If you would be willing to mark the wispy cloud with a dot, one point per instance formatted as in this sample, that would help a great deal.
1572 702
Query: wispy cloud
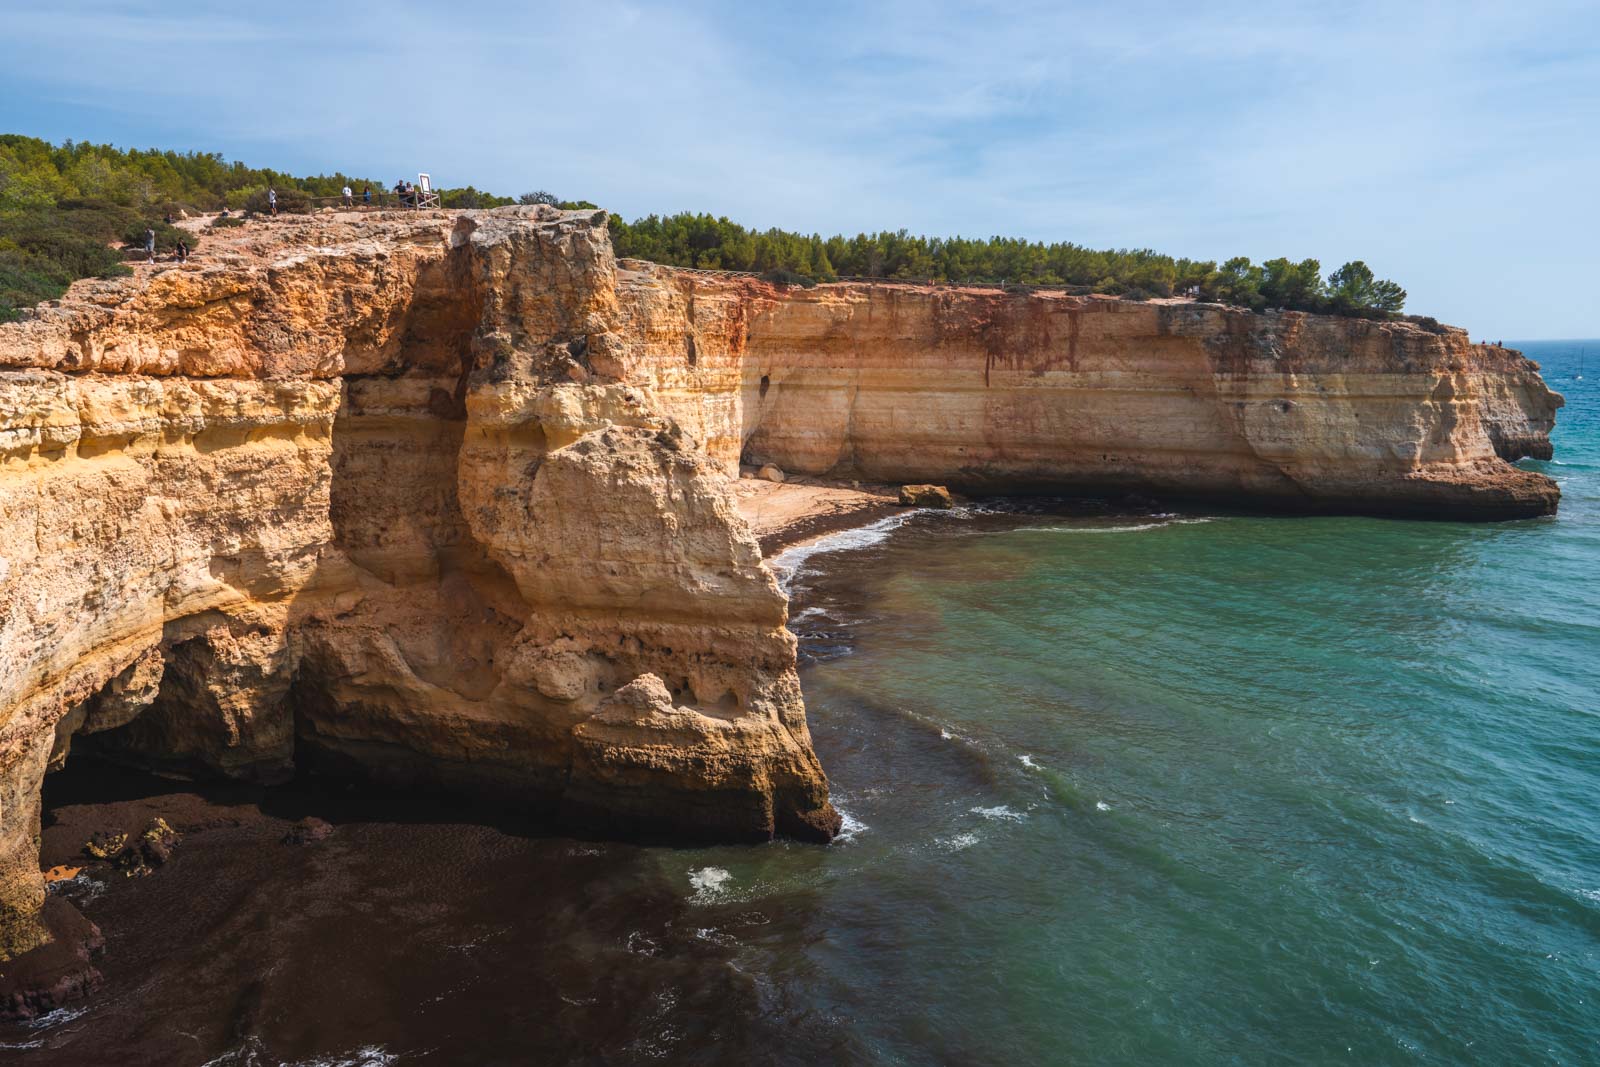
1452 145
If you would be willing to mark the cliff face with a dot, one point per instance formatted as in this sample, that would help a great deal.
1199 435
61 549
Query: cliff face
988 390
363 498
443 498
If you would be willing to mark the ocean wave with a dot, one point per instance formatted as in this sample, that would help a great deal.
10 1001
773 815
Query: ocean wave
365 1056
710 884
1027 761
959 842
55 1018
80 889
850 826
1129 528
790 563
998 813
1101 805
641 944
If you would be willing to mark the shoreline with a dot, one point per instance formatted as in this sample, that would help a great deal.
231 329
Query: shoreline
793 512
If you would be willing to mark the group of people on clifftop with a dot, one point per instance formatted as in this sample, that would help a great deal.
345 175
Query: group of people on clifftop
180 248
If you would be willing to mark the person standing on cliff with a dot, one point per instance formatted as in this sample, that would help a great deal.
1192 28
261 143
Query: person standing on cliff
349 197
272 199
366 196
150 244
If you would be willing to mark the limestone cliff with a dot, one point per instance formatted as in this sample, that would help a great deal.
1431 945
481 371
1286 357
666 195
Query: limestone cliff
443 498
362 496
989 390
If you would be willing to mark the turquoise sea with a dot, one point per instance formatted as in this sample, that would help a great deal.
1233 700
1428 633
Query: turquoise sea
1122 788
1198 788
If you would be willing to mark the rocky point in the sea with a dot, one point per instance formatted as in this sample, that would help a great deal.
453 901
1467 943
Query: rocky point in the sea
444 498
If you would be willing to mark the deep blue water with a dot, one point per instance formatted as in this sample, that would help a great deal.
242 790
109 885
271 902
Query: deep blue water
1202 788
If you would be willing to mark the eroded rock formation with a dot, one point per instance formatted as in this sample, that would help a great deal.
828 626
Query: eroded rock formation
365 498
443 499
986 390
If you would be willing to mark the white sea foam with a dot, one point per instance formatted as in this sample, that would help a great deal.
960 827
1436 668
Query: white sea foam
1101 805
959 842
1130 528
80 887
55 1018
1027 761
998 813
945 735
1092 529
365 1056
709 883
850 826
790 563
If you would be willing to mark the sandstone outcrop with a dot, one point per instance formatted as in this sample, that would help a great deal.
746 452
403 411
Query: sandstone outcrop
376 499
987 390
926 496
444 499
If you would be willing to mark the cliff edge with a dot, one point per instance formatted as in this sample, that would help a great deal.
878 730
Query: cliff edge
987 390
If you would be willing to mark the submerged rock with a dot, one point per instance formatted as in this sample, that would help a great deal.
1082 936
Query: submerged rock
156 843
56 972
307 831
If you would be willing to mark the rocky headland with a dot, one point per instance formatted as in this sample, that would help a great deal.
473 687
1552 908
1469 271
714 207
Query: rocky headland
452 499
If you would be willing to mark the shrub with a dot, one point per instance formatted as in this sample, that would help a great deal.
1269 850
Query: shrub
167 237
290 202
1136 294
225 223
1428 322
779 276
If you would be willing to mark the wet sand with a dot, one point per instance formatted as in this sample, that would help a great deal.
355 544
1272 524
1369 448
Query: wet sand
784 514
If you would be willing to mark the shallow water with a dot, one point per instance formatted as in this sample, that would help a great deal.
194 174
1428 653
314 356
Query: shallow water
1120 788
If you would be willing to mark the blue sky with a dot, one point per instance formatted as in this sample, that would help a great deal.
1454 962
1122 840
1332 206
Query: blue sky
1453 146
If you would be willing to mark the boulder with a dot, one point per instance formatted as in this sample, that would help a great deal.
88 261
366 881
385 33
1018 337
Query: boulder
771 473
926 496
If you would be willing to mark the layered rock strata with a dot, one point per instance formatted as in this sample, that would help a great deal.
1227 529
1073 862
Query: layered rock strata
986 390
371 499
444 499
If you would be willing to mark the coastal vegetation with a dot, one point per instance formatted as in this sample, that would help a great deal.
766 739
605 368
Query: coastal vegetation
708 242
67 211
